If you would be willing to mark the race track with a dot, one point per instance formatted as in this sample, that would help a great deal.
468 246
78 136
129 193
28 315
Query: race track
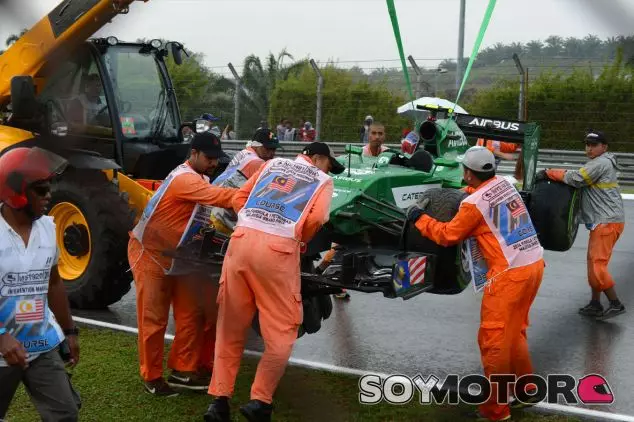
437 335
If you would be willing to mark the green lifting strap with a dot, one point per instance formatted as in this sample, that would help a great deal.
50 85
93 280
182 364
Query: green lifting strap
397 34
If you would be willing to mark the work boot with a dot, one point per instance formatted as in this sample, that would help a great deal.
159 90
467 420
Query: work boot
515 404
594 309
160 388
188 380
257 411
218 411
615 308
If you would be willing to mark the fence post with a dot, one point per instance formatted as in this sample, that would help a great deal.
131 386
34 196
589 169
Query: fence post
521 113
320 85
236 101
419 77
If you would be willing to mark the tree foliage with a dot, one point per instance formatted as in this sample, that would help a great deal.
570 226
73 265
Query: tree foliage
345 104
566 105
11 39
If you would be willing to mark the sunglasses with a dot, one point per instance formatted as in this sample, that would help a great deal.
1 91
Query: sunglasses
41 190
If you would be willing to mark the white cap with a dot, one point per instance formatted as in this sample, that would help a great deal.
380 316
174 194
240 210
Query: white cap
479 159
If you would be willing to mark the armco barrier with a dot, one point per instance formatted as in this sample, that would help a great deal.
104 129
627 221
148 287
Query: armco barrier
548 158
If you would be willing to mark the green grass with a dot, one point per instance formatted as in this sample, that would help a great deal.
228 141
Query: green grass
108 381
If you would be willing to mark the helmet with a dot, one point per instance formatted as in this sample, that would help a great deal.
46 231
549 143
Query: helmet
21 167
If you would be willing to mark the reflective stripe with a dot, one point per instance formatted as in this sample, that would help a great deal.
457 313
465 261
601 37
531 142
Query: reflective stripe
585 176
612 185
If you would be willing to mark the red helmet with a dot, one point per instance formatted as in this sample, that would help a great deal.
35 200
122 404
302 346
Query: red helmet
20 167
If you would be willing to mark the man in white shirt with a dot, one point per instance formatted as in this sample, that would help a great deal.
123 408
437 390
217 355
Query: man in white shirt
32 294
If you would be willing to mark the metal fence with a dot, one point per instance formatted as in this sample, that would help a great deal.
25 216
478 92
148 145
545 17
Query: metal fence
548 158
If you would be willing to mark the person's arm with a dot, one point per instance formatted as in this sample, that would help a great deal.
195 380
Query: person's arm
319 213
58 302
241 196
587 175
452 232
189 187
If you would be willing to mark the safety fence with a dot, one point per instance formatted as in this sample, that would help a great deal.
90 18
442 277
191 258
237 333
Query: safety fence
548 158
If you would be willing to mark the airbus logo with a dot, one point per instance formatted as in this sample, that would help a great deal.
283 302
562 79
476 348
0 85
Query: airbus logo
498 124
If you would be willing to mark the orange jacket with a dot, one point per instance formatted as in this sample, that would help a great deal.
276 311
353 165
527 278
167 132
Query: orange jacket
310 222
468 222
506 147
170 218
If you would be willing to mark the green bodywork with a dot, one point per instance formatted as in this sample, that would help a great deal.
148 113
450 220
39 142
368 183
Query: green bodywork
401 186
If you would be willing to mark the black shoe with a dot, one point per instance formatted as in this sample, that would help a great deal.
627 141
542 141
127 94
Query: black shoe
188 380
160 388
612 311
257 411
593 309
218 411
515 404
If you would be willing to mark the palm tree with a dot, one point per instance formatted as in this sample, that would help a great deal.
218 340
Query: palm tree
534 48
13 38
259 81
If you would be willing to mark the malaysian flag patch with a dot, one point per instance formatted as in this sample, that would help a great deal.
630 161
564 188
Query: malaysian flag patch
29 310
284 184
409 273
516 207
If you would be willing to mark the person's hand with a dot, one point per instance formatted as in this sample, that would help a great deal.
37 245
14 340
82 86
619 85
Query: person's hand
415 211
13 351
73 344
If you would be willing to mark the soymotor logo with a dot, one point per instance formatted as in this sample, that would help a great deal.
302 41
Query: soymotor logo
476 389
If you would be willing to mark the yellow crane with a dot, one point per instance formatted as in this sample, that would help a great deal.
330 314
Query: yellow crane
110 109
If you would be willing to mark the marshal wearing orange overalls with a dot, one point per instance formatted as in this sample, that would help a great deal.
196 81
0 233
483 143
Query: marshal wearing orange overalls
495 215
280 208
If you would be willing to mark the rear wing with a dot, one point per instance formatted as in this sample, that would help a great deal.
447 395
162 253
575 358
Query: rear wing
492 128
526 134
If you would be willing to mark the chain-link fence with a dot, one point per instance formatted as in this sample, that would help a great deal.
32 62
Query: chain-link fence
566 95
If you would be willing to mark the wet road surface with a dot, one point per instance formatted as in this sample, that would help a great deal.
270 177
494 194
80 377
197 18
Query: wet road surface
432 334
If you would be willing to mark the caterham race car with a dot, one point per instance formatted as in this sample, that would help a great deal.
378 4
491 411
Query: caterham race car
377 250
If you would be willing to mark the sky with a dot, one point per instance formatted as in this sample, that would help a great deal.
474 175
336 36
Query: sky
344 31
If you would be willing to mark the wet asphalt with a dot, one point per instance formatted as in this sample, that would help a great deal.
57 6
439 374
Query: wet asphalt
432 334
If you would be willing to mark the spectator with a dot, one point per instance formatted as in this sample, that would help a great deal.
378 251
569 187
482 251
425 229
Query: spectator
307 133
228 133
211 118
376 139
291 133
365 129
281 128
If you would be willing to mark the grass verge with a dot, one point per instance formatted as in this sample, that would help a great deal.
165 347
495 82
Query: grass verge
108 381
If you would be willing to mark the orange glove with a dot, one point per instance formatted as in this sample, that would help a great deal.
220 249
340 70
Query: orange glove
556 174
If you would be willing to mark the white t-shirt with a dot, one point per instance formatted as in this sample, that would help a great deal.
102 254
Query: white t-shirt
24 278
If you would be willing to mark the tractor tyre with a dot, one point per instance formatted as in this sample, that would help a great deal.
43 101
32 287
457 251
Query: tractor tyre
92 224
554 211
448 273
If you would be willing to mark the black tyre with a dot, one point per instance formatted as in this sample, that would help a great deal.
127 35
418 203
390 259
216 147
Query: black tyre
93 222
448 275
554 210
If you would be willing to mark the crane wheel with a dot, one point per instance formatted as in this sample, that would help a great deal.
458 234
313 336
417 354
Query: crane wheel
92 224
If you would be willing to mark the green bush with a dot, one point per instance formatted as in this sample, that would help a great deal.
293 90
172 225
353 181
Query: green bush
345 104
568 105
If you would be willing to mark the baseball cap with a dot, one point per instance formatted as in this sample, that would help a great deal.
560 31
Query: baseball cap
209 117
265 138
595 137
209 144
321 148
479 159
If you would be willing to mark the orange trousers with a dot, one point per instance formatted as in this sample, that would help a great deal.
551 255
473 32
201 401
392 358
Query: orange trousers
260 271
502 335
193 344
600 246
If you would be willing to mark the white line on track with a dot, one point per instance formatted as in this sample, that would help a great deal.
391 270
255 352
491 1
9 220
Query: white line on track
551 408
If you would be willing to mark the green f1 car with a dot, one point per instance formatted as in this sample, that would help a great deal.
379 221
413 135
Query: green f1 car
377 250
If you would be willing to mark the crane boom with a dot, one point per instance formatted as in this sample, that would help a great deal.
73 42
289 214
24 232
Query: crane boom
54 38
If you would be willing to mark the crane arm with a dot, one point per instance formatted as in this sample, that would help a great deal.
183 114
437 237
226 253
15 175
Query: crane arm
54 38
